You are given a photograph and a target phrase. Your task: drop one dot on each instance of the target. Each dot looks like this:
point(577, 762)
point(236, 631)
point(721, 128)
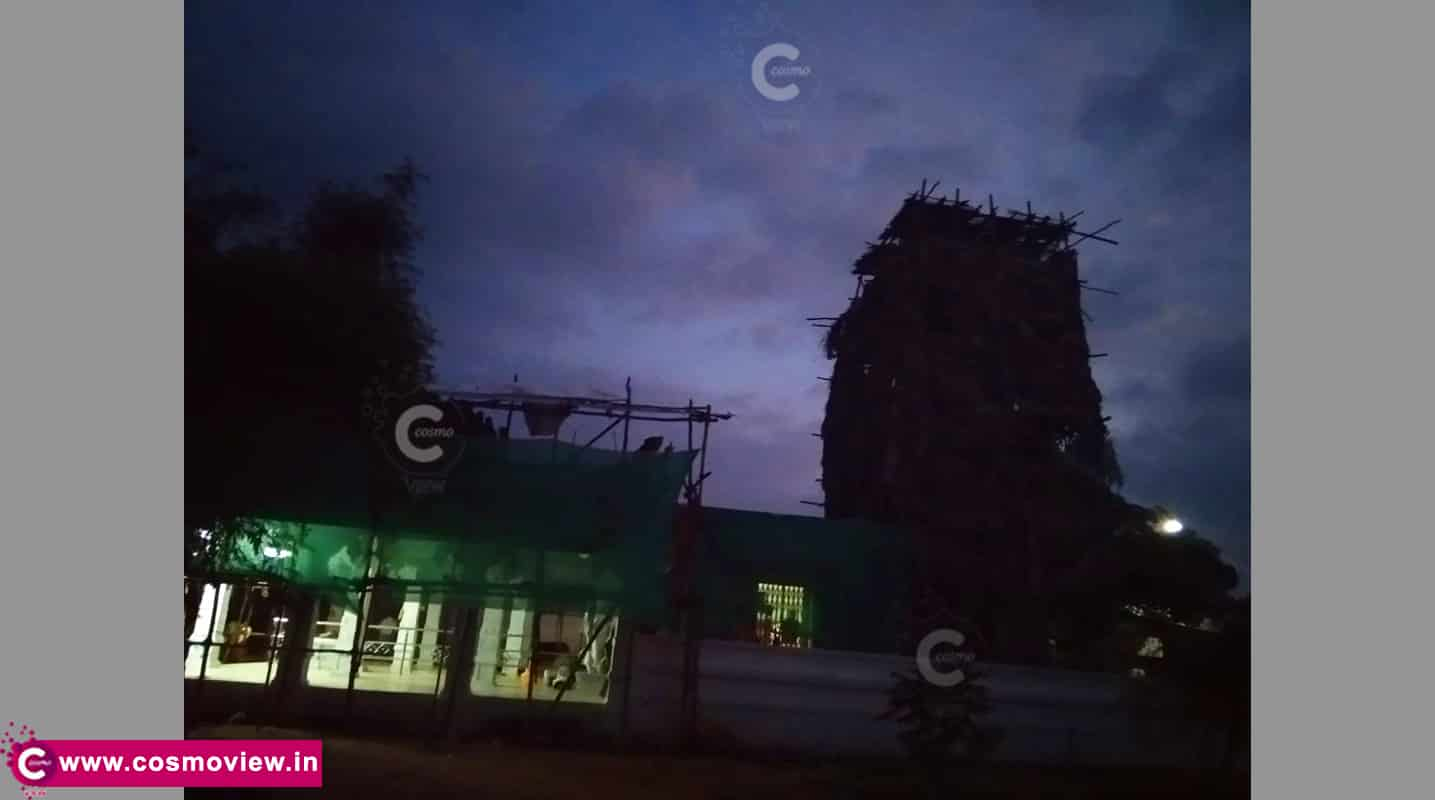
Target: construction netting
point(552, 522)
point(844, 575)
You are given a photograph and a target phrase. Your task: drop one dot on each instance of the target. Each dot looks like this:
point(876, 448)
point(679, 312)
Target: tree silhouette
point(287, 323)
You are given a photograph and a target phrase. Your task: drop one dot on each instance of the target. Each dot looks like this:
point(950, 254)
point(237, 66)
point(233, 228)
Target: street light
point(1171, 526)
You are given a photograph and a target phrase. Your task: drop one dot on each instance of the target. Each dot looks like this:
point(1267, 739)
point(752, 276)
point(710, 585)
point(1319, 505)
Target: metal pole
point(435, 712)
point(562, 690)
point(356, 649)
point(465, 647)
point(703, 456)
point(627, 412)
point(537, 612)
point(440, 650)
point(603, 433)
point(508, 424)
point(274, 640)
point(692, 603)
point(694, 648)
point(629, 648)
point(209, 637)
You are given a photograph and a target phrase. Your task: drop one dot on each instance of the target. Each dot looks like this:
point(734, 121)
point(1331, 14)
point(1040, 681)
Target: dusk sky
point(610, 196)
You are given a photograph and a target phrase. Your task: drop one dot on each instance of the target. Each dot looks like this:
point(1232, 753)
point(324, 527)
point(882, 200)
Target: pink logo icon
point(30, 760)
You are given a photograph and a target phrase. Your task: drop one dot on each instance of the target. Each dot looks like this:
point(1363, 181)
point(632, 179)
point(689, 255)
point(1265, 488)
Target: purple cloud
point(605, 200)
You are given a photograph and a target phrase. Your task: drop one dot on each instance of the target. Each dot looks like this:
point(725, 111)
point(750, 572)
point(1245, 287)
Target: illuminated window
point(237, 631)
point(403, 646)
point(782, 616)
point(570, 659)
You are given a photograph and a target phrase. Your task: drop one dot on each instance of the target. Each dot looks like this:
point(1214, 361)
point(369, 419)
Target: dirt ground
point(402, 769)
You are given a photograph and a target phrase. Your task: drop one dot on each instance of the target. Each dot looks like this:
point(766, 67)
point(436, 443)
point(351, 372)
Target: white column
point(520, 628)
point(221, 615)
point(428, 644)
point(490, 641)
point(201, 629)
point(348, 621)
point(404, 641)
point(371, 570)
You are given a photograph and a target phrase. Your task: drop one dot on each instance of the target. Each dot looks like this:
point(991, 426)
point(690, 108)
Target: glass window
point(782, 615)
point(571, 656)
point(237, 630)
point(404, 646)
point(335, 624)
point(505, 629)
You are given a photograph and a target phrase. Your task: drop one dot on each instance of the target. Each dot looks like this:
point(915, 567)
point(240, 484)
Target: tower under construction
point(962, 406)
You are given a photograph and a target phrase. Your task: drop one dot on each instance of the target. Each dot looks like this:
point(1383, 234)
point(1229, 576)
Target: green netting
point(847, 568)
point(517, 518)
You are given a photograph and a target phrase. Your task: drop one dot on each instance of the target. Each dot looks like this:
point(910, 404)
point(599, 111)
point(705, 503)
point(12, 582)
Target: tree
point(1180, 579)
point(1229, 682)
point(287, 323)
point(1219, 679)
point(937, 722)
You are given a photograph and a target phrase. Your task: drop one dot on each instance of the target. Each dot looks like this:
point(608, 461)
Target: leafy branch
point(937, 721)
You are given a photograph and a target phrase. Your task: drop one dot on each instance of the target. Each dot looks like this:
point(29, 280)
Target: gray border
point(1340, 456)
point(91, 322)
point(90, 316)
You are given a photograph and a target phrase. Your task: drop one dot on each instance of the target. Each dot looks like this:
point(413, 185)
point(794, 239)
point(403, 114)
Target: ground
point(356, 767)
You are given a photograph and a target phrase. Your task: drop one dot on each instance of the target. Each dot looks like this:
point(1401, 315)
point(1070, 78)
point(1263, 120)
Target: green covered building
point(523, 579)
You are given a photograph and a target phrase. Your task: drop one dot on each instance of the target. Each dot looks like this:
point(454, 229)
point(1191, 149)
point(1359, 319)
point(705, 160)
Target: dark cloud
point(1088, 10)
point(950, 163)
point(1172, 127)
point(1192, 449)
point(1204, 21)
point(1126, 109)
point(604, 200)
point(864, 102)
point(1123, 112)
point(1214, 146)
point(661, 124)
point(1221, 376)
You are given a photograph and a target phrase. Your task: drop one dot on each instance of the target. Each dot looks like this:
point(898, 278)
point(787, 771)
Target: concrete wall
point(816, 701)
point(828, 701)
